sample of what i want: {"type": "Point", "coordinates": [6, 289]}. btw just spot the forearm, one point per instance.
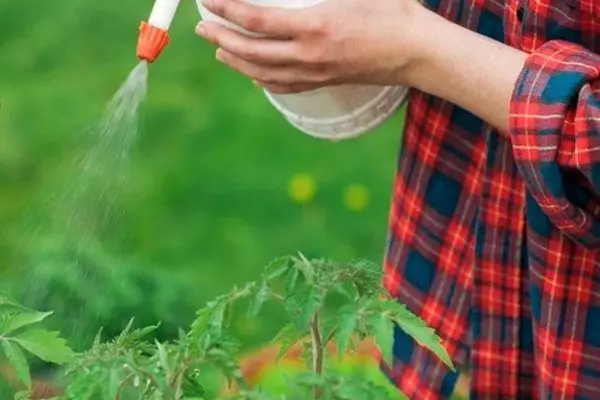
{"type": "Point", "coordinates": [466, 69]}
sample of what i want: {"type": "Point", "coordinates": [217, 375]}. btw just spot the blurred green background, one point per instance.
{"type": "Point", "coordinates": [208, 202]}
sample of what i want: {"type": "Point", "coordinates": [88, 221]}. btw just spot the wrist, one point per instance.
{"type": "Point", "coordinates": [465, 68]}
{"type": "Point", "coordinates": [428, 40]}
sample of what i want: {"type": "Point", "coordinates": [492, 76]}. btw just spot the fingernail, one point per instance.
{"type": "Point", "coordinates": [219, 55]}
{"type": "Point", "coordinates": [200, 30]}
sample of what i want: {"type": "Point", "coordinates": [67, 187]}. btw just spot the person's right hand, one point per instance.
{"type": "Point", "coordinates": [334, 42]}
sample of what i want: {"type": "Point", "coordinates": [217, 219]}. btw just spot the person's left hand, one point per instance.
{"type": "Point", "coordinates": [331, 43]}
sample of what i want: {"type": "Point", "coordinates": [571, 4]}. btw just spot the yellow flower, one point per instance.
{"type": "Point", "coordinates": [356, 197]}
{"type": "Point", "coordinates": [302, 188]}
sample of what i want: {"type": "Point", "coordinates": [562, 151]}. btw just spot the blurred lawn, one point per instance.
{"type": "Point", "coordinates": [207, 205]}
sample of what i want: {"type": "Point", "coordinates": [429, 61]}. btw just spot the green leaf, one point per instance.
{"type": "Point", "coordinates": [276, 268]}
{"type": "Point", "coordinates": [328, 323]}
{"type": "Point", "coordinates": [17, 360]}
{"type": "Point", "coordinates": [163, 357]}
{"type": "Point", "coordinates": [310, 379]}
{"type": "Point", "coordinates": [259, 299]}
{"type": "Point", "coordinates": [418, 330]}
{"type": "Point", "coordinates": [139, 334]}
{"type": "Point", "coordinates": [112, 386]}
{"type": "Point", "coordinates": [23, 395]}
{"type": "Point", "coordinates": [192, 388]}
{"type": "Point", "coordinates": [383, 330]}
{"type": "Point", "coordinates": [200, 323]}
{"type": "Point", "coordinates": [127, 328]}
{"type": "Point", "coordinates": [290, 281]}
{"type": "Point", "coordinates": [84, 385]}
{"type": "Point", "coordinates": [8, 301]}
{"type": "Point", "coordinates": [347, 322]}
{"type": "Point", "coordinates": [218, 315]}
{"type": "Point", "coordinates": [311, 304]}
{"type": "Point", "coordinates": [286, 338]}
{"type": "Point", "coordinates": [210, 318]}
{"type": "Point", "coordinates": [97, 339]}
{"type": "Point", "coordinates": [306, 267]}
{"type": "Point", "coordinates": [302, 304]}
{"type": "Point", "coordinates": [25, 318]}
{"type": "Point", "coordinates": [46, 345]}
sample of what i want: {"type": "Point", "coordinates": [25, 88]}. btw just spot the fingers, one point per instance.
{"type": "Point", "coordinates": [271, 21]}
{"type": "Point", "coordinates": [287, 89]}
{"type": "Point", "coordinates": [258, 50]}
{"type": "Point", "coordinates": [277, 75]}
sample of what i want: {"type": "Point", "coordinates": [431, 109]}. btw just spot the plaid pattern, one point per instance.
{"type": "Point", "coordinates": [494, 242]}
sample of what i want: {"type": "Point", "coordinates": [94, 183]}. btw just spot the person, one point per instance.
{"type": "Point", "coordinates": [495, 223]}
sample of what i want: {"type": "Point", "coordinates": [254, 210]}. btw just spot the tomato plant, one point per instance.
{"type": "Point", "coordinates": [327, 304]}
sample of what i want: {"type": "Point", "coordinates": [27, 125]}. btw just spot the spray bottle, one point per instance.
{"type": "Point", "coordinates": [334, 113]}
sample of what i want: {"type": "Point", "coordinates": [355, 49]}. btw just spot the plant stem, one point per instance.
{"type": "Point", "coordinates": [278, 297]}
{"type": "Point", "coordinates": [317, 349]}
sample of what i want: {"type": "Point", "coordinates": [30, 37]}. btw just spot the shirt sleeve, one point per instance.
{"type": "Point", "coordinates": [555, 134]}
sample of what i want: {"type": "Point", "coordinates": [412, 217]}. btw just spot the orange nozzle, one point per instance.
{"type": "Point", "coordinates": [151, 42]}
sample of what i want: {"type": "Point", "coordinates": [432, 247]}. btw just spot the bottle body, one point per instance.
{"type": "Point", "coordinates": [162, 13]}
{"type": "Point", "coordinates": [336, 112]}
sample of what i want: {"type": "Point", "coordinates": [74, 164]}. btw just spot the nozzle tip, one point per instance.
{"type": "Point", "coordinates": [151, 42]}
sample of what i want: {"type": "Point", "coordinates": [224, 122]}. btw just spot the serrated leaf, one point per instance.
{"type": "Point", "coordinates": [310, 305]}
{"type": "Point", "coordinates": [339, 288]}
{"type": "Point", "coordinates": [256, 303]}
{"type": "Point", "coordinates": [292, 307]}
{"type": "Point", "coordinates": [347, 322]}
{"type": "Point", "coordinates": [8, 301]}
{"type": "Point", "coordinates": [17, 360]}
{"type": "Point", "coordinates": [209, 319]}
{"type": "Point", "coordinates": [302, 304]}
{"type": "Point", "coordinates": [310, 379]}
{"type": "Point", "coordinates": [218, 315]}
{"type": "Point", "coordinates": [218, 354]}
{"type": "Point", "coordinates": [23, 395]}
{"type": "Point", "coordinates": [24, 318]}
{"type": "Point", "coordinates": [306, 267]}
{"type": "Point", "coordinates": [112, 386]}
{"type": "Point", "coordinates": [97, 339]}
{"type": "Point", "coordinates": [200, 323]}
{"type": "Point", "coordinates": [141, 333]}
{"type": "Point", "coordinates": [46, 345]}
{"type": "Point", "coordinates": [192, 389]}
{"type": "Point", "coordinates": [83, 386]}
{"type": "Point", "coordinates": [182, 335]}
{"type": "Point", "coordinates": [276, 268]}
{"type": "Point", "coordinates": [419, 331]}
{"type": "Point", "coordinates": [290, 281]}
{"type": "Point", "coordinates": [383, 330]}
{"type": "Point", "coordinates": [163, 357]}
{"type": "Point", "coordinates": [328, 324]}
{"type": "Point", "coordinates": [287, 337]}
{"type": "Point", "coordinates": [127, 328]}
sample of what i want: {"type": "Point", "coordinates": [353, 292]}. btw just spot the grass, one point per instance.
{"type": "Point", "coordinates": [208, 194]}
{"type": "Point", "coordinates": [208, 202]}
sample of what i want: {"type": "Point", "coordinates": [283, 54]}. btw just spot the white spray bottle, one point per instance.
{"type": "Point", "coordinates": [334, 113]}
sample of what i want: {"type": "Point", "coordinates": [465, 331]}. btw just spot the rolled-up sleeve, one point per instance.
{"type": "Point", "coordinates": [555, 134]}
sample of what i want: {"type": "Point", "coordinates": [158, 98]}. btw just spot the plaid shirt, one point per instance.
{"type": "Point", "coordinates": [495, 242]}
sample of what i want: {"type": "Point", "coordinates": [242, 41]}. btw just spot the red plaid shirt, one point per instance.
{"type": "Point", "coordinates": [495, 242]}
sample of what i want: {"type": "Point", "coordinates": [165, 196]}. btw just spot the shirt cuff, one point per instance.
{"type": "Point", "coordinates": [553, 126]}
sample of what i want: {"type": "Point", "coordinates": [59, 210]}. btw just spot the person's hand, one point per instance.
{"type": "Point", "coordinates": [331, 43]}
